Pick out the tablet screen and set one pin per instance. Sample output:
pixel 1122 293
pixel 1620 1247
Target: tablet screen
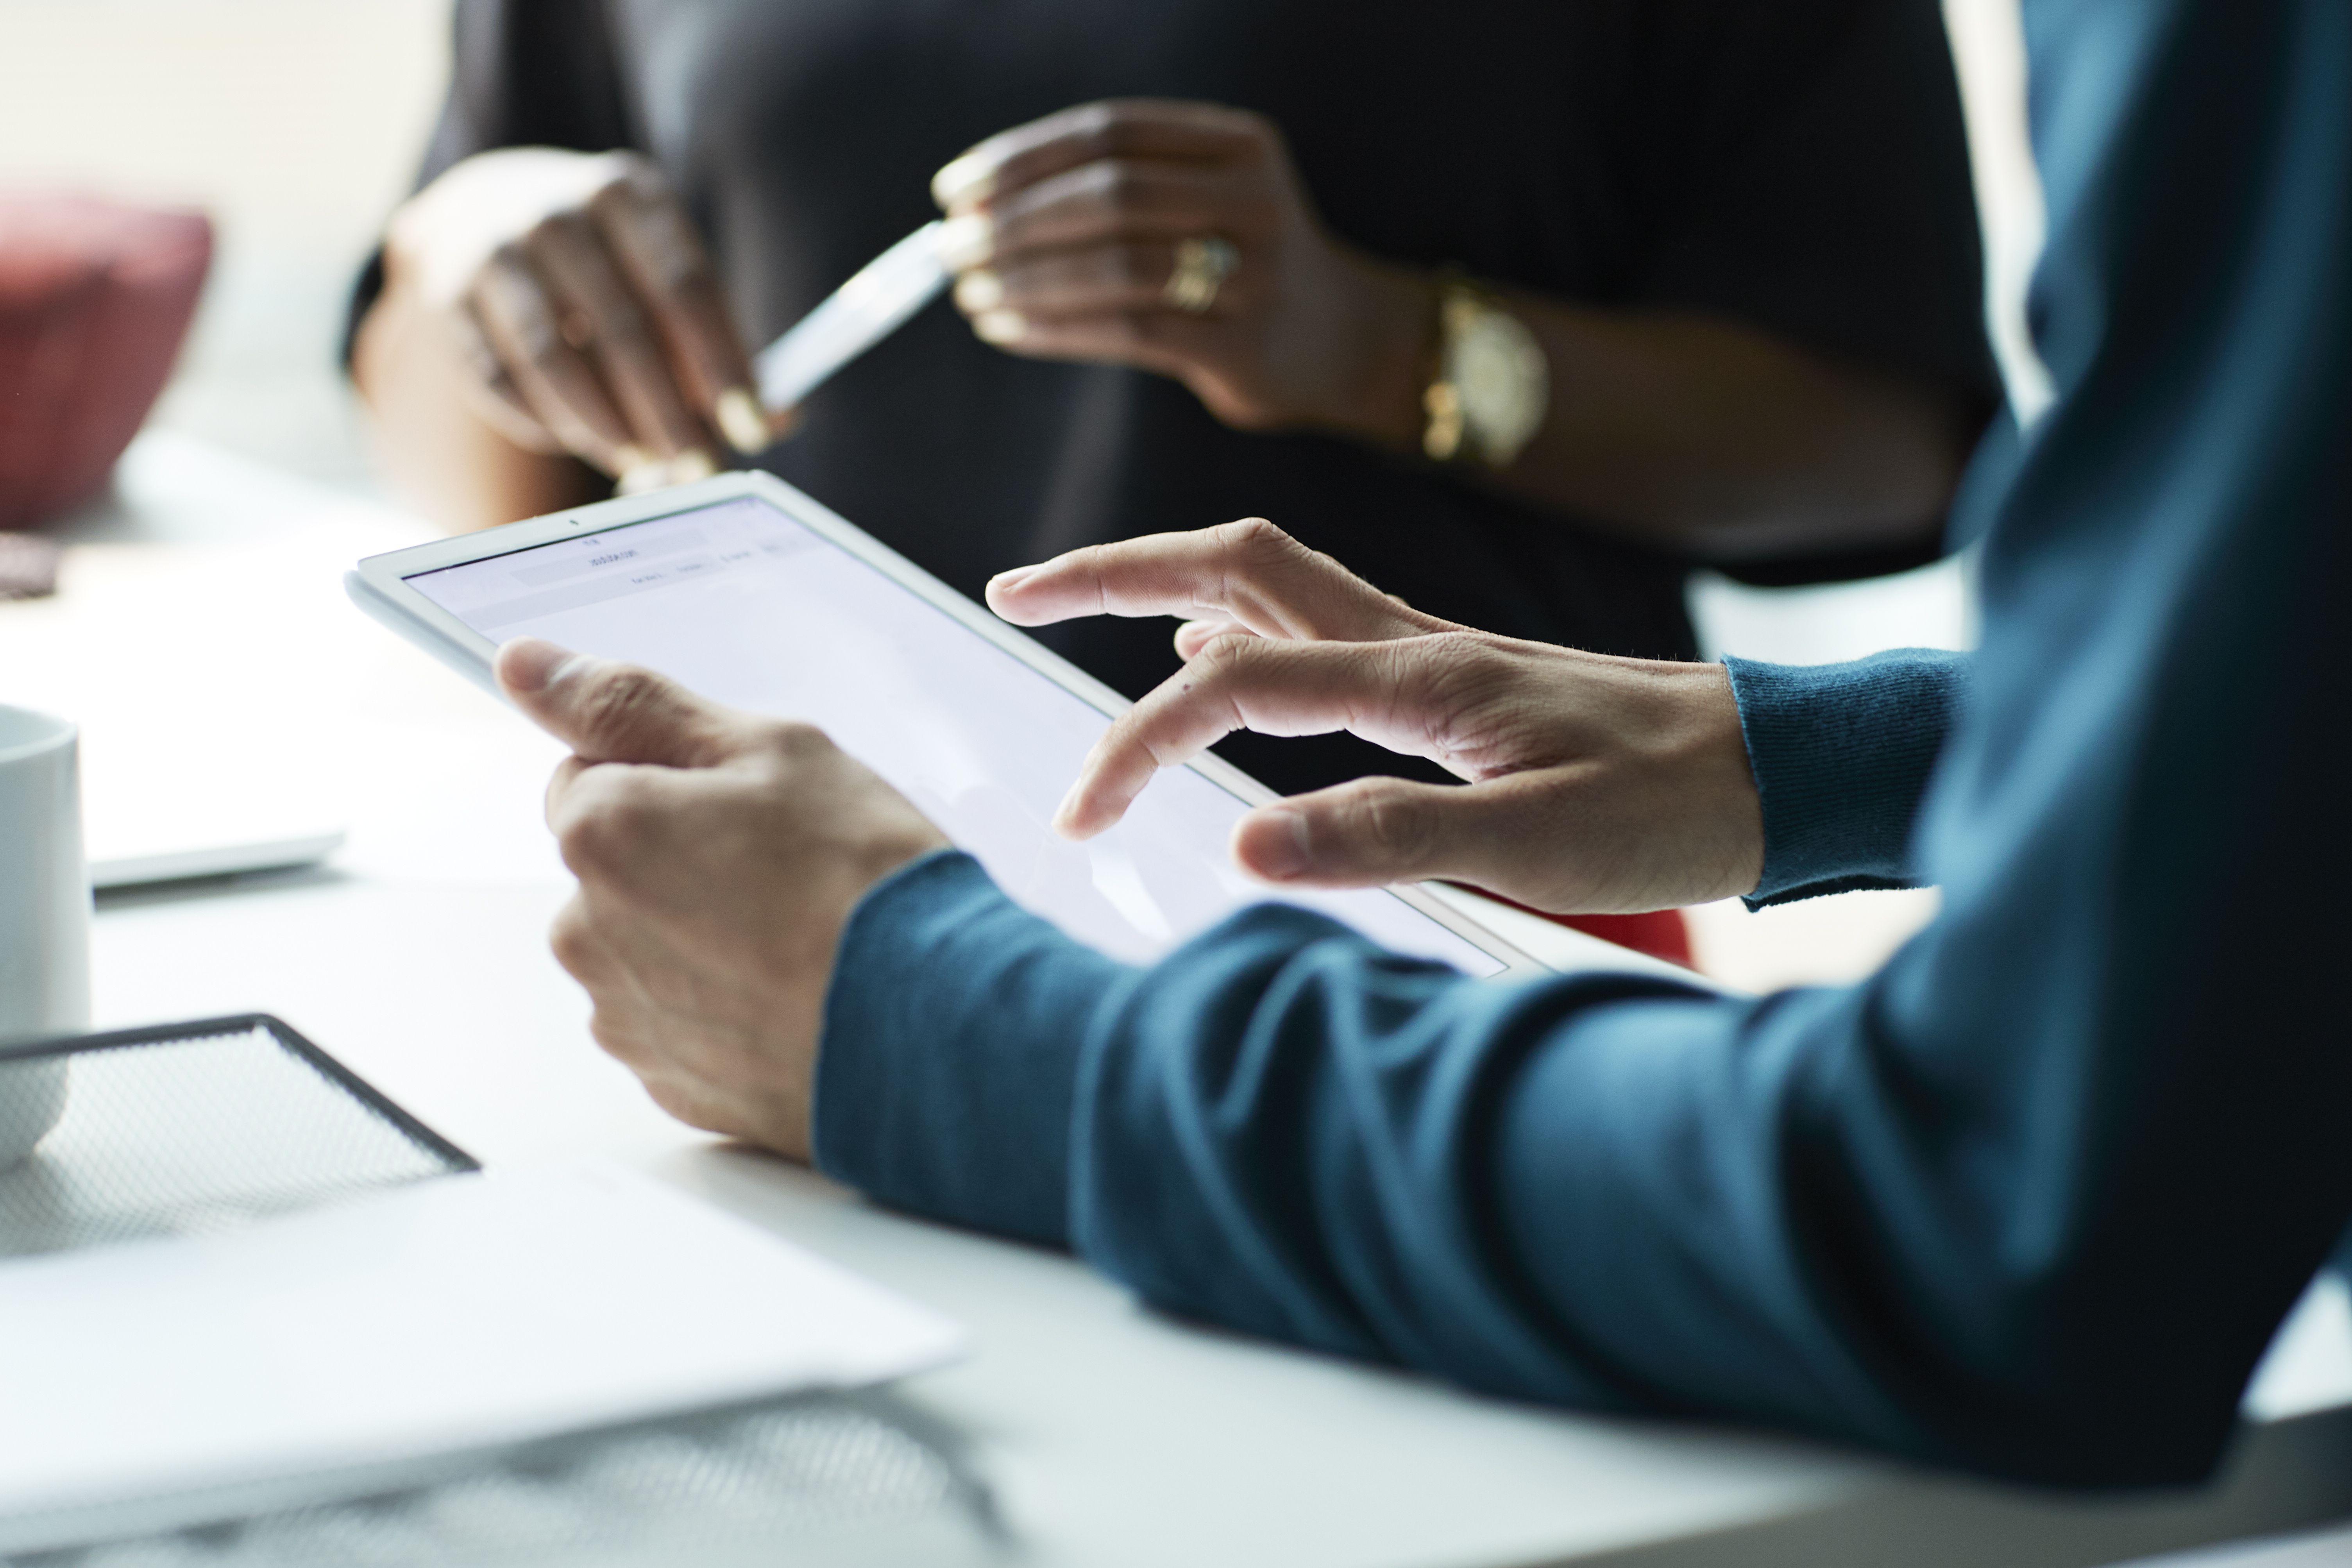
pixel 752 608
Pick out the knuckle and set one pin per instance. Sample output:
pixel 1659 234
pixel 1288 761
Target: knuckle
pixel 676 258
pixel 1155 330
pixel 625 330
pixel 1249 555
pixel 634 812
pixel 1265 139
pixel 1473 657
pixel 1438 672
pixel 510 255
pixel 1257 536
pixel 608 835
pixel 620 699
pixel 613 1034
pixel 632 166
pixel 1392 823
pixel 1098 121
pixel 548 231
pixel 572 939
pixel 1259 549
pixel 1227 655
pixel 797 742
pixel 536 339
pixel 618 197
pixel 1106 182
pixel 585 844
pixel 801 736
pixel 591 844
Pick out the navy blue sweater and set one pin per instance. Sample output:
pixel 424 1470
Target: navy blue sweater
pixel 2031 1199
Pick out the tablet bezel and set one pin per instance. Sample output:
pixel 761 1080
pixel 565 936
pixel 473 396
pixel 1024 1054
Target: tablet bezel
pixel 379 585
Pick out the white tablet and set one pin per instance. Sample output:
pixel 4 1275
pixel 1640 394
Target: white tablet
pixel 748 592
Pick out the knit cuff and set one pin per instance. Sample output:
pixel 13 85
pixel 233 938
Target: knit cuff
pixel 1842 755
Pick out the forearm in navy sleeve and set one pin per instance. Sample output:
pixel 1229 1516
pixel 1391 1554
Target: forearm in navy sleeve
pixel 1284 1128
pixel 1841 755
pixel 953 1032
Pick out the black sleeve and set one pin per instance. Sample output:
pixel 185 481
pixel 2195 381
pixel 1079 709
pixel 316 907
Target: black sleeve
pixel 523 73
pixel 1805 168
pixel 530 73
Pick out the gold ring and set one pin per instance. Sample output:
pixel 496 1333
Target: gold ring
pixel 1203 265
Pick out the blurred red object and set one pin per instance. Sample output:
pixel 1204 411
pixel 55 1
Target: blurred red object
pixel 1661 933
pixel 94 298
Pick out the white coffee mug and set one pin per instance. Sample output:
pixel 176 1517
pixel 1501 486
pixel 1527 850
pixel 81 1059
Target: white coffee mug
pixel 44 917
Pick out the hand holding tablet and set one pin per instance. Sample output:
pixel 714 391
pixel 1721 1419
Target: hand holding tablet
pixel 719 856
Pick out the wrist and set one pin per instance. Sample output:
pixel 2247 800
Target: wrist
pixel 1393 328
pixel 1692 822
pixel 1727 840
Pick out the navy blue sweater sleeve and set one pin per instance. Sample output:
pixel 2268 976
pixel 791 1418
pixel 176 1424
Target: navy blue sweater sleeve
pixel 952 1037
pixel 1841 755
pixel 2032 1198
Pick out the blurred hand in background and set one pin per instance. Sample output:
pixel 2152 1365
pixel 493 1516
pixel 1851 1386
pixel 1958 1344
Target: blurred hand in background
pixel 1078 227
pixel 565 303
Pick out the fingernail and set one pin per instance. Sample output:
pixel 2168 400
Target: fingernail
pixel 972 177
pixel 966 241
pixel 1002 327
pixel 534 664
pixel 977 294
pixel 1065 814
pixel 1281 855
pixel 643 480
pixel 1013 578
pixel 629 459
pixel 743 422
pixel 690 465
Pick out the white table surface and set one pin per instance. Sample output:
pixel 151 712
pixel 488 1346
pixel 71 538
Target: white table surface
pixel 201 636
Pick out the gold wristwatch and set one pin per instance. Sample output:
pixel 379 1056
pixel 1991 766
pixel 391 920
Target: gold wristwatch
pixel 1486 398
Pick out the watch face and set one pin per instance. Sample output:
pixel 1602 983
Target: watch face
pixel 1504 381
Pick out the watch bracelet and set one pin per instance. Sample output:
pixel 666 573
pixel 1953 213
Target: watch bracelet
pixel 1450 433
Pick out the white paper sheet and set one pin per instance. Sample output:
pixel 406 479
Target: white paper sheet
pixel 458 1315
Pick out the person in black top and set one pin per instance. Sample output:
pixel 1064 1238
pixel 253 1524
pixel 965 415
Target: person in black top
pixel 1734 238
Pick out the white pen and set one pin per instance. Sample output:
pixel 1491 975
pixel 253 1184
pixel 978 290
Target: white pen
pixel 876 301
pixel 872 305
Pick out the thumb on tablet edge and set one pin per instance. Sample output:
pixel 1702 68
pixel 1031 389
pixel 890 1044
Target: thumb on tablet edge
pixel 607 711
